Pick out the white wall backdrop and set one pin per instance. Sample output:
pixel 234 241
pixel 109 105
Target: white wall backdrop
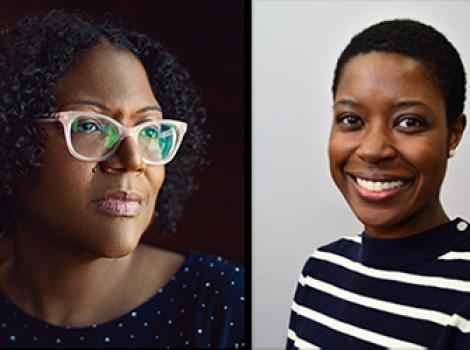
pixel 296 206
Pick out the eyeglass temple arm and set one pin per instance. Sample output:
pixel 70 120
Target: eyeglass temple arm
pixel 51 117
pixel 47 120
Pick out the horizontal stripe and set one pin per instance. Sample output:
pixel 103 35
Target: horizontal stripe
pixel 357 239
pixel 451 269
pixel 299 342
pixel 432 281
pixel 461 323
pixel 455 256
pixel 385 306
pixel 400 293
pixel 400 327
pixel 353 331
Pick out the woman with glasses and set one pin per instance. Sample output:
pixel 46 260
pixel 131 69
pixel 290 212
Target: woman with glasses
pixel 100 129
pixel 404 283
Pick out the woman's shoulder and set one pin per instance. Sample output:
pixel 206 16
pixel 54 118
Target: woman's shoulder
pixel 215 270
pixel 214 279
pixel 202 264
pixel 210 287
pixel 201 272
pixel 346 247
pixel 213 263
pixel 216 289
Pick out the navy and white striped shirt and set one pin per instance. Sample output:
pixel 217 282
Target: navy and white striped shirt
pixel 367 293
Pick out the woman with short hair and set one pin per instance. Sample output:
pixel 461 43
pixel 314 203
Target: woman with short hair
pixel 404 283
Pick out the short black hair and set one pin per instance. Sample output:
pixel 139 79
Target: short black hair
pixel 421 42
pixel 35 53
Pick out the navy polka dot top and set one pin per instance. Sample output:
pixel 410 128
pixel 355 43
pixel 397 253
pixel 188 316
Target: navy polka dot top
pixel 202 306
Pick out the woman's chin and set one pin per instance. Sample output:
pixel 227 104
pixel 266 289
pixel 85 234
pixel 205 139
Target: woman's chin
pixel 116 248
pixel 379 219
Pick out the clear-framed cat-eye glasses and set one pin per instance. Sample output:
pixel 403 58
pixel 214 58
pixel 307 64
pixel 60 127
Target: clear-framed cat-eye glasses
pixel 92 136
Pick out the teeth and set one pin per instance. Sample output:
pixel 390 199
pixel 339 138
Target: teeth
pixel 377 186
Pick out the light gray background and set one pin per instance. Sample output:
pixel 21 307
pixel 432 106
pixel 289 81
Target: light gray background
pixel 296 206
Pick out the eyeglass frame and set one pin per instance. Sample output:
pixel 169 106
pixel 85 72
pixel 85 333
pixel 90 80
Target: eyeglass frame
pixel 66 118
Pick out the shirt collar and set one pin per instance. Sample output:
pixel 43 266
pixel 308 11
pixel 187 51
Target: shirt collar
pixel 399 252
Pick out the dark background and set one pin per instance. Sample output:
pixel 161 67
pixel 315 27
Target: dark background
pixel 207 37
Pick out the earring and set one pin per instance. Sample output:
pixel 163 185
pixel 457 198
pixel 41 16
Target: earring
pixel 95 169
pixel 452 152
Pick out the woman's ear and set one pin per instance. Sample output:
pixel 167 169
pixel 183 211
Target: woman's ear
pixel 456 132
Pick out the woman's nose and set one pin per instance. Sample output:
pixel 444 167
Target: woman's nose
pixel 127 157
pixel 376 144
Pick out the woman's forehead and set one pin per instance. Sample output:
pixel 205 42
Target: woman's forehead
pixel 385 74
pixel 107 74
pixel 384 65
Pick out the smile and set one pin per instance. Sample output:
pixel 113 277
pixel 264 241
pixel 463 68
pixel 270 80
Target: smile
pixel 375 190
pixel 378 186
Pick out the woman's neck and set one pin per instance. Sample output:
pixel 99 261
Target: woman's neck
pixel 52 282
pixel 423 220
pixel 64 288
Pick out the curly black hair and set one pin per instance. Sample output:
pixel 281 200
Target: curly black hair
pixel 36 52
pixel 421 42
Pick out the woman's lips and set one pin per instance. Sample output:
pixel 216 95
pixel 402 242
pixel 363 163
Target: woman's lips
pixel 379 190
pixel 120 203
pixel 119 207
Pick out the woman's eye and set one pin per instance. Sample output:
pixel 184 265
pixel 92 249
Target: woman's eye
pixel 349 121
pixel 150 132
pixel 410 123
pixel 87 126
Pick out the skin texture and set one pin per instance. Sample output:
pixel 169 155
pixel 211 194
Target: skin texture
pixel 390 124
pixel 90 267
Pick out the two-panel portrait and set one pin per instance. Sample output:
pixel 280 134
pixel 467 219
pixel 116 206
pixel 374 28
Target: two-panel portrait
pixel 265 174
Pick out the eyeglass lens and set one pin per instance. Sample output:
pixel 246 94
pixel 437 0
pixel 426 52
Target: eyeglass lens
pixel 95 137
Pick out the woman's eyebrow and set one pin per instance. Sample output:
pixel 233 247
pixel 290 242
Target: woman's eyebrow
pixel 90 102
pixel 398 105
pixel 347 102
pixel 150 108
pixel 107 109
pixel 411 103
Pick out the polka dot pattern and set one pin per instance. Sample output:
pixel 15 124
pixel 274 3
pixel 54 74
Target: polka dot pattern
pixel 202 306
